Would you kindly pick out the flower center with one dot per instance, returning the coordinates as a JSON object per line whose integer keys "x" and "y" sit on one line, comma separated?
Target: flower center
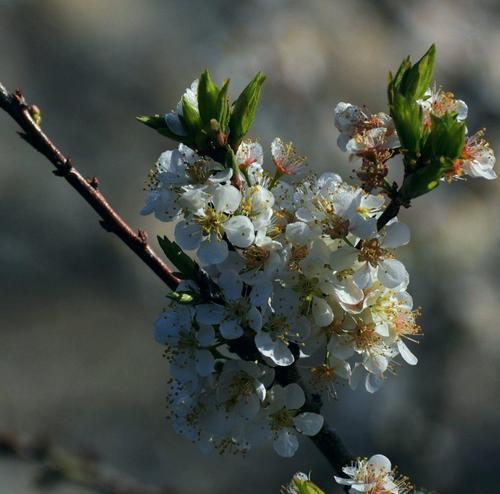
{"x": 239, "y": 308}
{"x": 278, "y": 327}
{"x": 282, "y": 418}
{"x": 365, "y": 336}
{"x": 212, "y": 222}
{"x": 256, "y": 257}
{"x": 198, "y": 172}
{"x": 371, "y": 251}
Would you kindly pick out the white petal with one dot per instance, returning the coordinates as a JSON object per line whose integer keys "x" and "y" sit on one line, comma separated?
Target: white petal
{"x": 343, "y": 258}
{"x": 264, "y": 343}
{"x": 363, "y": 277}
{"x": 322, "y": 312}
{"x": 226, "y": 199}
{"x": 294, "y": 396}
{"x": 240, "y": 231}
{"x": 206, "y": 335}
{"x": 261, "y": 292}
{"x": 406, "y": 353}
{"x": 308, "y": 423}
{"x": 380, "y": 463}
{"x": 363, "y": 228}
{"x": 373, "y": 383}
{"x": 397, "y": 234}
{"x": 187, "y": 235}
{"x": 349, "y": 292}
{"x": 212, "y": 251}
{"x": 231, "y": 285}
{"x": 174, "y": 124}
{"x": 298, "y": 233}
{"x": 210, "y": 313}
{"x": 392, "y": 274}
{"x": 230, "y": 329}
{"x": 281, "y": 354}
{"x": 376, "y": 364}
{"x": 204, "y": 362}
{"x": 248, "y": 406}
{"x": 286, "y": 444}
{"x": 254, "y": 319}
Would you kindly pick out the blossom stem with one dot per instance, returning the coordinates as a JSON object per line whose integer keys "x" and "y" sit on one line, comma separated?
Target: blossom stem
{"x": 16, "y": 106}
{"x": 390, "y": 212}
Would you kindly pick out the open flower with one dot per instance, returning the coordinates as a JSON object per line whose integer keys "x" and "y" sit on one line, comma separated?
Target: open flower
{"x": 282, "y": 325}
{"x": 206, "y": 228}
{"x": 477, "y": 159}
{"x": 241, "y": 388}
{"x": 374, "y": 259}
{"x": 180, "y": 175}
{"x": 237, "y": 313}
{"x": 188, "y": 346}
{"x": 285, "y": 158}
{"x": 438, "y": 102}
{"x": 286, "y": 422}
{"x": 373, "y": 476}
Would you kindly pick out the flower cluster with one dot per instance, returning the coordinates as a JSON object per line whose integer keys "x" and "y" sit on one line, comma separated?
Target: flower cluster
{"x": 300, "y": 267}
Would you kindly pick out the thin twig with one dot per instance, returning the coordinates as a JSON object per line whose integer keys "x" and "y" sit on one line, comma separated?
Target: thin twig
{"x": 15, "y": 105}
{"x": 327, "y": 440}
{"x": 58, "y": 465}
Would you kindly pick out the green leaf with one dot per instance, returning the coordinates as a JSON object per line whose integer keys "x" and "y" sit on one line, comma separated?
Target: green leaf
{"x": 446, "y": 138}
{"x": 243, "y": 111}
{"x": 179, "y": 259}
{"x": 222, "y": 107}
{"x": 407, "y": 115}
{"x": 158, "y": 123}
{"x": 416, "y": 80}
{"x": 424, "y": 179}
{"x": 207, "y": 97}
{"x": 190, "y": 117}
{"x": 183, "y": 297}
{"x": 409, "y": 84}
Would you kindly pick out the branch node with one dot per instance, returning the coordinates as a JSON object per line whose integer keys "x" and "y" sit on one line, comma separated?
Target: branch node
{"x": 18, "y": 95}
{"x": 64, "y": 168}
{"x": 93, "y": 182}
{"x": 143, "y": 236}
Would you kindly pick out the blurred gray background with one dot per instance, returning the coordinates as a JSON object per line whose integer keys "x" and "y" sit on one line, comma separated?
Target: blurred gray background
{"x": 77, "y": 359}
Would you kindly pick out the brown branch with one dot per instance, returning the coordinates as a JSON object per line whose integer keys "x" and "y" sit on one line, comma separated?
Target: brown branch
{"x": 58, "y": 465}
{"x": 16, "y": 106}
